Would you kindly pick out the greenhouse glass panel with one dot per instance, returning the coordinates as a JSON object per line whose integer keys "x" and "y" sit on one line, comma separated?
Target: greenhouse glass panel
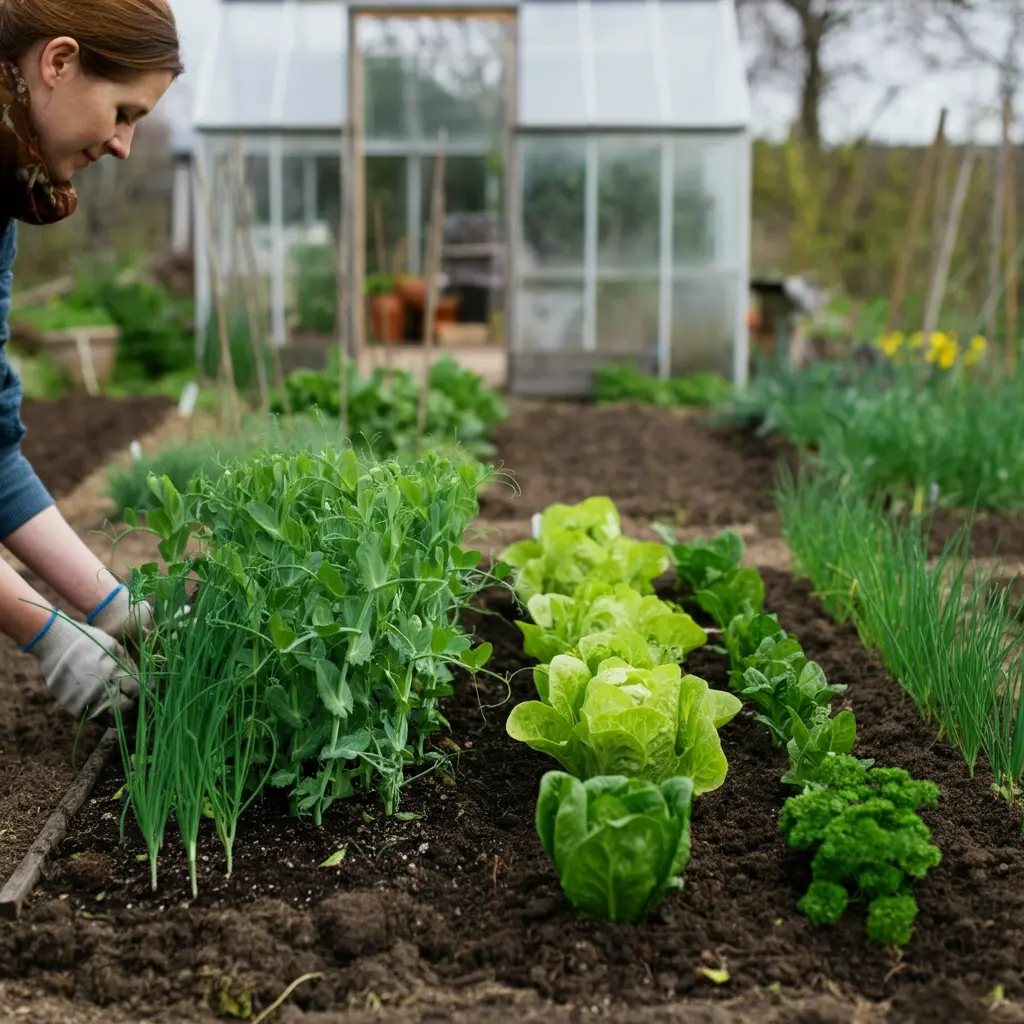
{"x": 551, "y": 88}
{"x": 629, "y": 203}
{"x": 553, "y": 197}
{"x": 242, "y": 71}
{"x": 706, "y": 223}
{"x": 387, "y": 222}
{"x": 551, "y": 316}
{"x": 704, "y": 324}
{"x": 257, "y": 177}
{"x": 316, "y": 87}
{"x": 704, "y": 68}
{"x": 293, "y": 184}
{"x": 617, "y": 26}
{"x": 327, "y": 204}
{"x": 626, "y": 90}
{"x": 554, "y": 25}
{"x": 627, "y": 318}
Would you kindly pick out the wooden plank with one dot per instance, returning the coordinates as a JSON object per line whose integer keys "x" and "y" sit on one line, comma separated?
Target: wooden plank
{"x": 30, "y": 870}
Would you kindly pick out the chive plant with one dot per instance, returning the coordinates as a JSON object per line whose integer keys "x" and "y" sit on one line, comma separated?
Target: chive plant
{"x": 941, "y": 627}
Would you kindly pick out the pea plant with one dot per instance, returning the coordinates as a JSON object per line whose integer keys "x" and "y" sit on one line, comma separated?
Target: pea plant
{"x": 307, "y": 624}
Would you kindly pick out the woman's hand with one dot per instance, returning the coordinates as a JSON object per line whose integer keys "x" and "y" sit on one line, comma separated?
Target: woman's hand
{"x": 82, "y": 667}
{"x": 126, "y": 622}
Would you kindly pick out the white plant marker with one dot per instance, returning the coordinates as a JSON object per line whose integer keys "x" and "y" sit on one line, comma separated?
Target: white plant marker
{"x": 187, "y": 402}
{"x": 135, "y": 450}
{"x": 535, "y": 525}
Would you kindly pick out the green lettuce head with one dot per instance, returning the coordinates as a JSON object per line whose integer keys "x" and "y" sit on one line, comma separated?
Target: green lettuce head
{"x": 618, "y": 844}
{"x": 583, "y": 542}
{"x": 560, "y": 622}
{"x": 652, "y": 723}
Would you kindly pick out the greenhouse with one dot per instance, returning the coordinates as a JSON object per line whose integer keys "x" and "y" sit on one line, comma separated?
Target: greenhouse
{"x": 622, "y": 232}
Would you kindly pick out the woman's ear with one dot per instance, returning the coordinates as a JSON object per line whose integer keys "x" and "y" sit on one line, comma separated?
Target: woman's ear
{"x": 58, "y": 61}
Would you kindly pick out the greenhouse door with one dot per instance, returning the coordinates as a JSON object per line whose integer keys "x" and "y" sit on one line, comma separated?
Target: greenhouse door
{"x": 430, "y": 90}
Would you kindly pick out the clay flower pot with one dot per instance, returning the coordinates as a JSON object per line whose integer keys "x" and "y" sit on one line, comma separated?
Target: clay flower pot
{"x": 387, "y": 317}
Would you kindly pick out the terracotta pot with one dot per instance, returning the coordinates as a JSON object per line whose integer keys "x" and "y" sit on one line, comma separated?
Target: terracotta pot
{"x": 413, "y": 291}
{"x": 387, "y": 317}
{"x": 447, "y": 310}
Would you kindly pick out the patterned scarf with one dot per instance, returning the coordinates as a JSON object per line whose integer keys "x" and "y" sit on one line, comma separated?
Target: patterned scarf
{"x": 26, "y": 192}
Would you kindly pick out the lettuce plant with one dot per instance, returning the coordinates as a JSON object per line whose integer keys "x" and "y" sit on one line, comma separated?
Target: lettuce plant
{"x": 583, "y": 542}
{"x": 650, "y": 723}
{"x": 869, "y": 845}
{"x": 561, "y": 622}
{"x": 619, "y": 844}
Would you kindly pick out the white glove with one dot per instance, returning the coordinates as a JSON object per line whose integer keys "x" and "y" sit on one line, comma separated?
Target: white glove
{"x": 116, "y": 616}
{"x": 79, "y": 666}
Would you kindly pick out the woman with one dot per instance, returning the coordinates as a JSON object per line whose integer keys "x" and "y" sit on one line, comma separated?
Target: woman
{"x": 75, "y": 79}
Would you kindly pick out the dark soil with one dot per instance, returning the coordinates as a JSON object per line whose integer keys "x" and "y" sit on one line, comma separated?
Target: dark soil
{"x": 69, "y": 438}
{"x": 465, "y": 896}
{"x": 653, "y": 462}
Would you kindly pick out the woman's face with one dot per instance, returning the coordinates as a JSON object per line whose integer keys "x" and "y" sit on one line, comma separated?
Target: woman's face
{"x": 78, "y": 118}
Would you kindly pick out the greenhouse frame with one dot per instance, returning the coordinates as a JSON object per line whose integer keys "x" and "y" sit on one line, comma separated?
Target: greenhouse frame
{"x": 622, "y": 232}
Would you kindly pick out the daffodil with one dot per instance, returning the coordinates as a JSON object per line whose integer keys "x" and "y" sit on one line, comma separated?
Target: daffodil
{"x": 892, "y": 343}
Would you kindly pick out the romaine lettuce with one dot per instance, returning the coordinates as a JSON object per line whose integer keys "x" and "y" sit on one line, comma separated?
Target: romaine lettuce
{"x": 651, "y": 723}
{"x": 582, "y": 542}
{"x": 607, "y": 621}
{"x": 619, "y": 845}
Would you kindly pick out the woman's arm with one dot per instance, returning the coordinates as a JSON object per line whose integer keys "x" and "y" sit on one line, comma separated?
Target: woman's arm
{"x": 55, "y": 553}
{"x": 23, "y": 612}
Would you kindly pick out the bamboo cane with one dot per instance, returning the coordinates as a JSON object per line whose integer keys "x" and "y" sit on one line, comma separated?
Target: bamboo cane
{"x": 433, "y": 268}
{"x": 937, "y": 291}
{"x": 229, "y": 393}
{"x": 243, "y": 233}
{"x": 924, "y": 181}
{"x": 1009, "y": 240}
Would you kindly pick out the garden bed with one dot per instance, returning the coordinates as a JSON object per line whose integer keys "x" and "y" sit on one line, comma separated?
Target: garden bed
{"x": 458, "y": 915}
{"x": 69, "y": 438}
{"x": 465, "y": 897}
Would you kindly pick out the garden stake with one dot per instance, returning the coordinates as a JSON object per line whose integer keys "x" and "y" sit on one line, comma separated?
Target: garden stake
{"x": 229, "y": 393}
{"x": 243, "y": 229}
{"x": 924, "y": 181}
{"x": 433, "y": 269}
{"x": 29, "y": 871}
{"x": 937, "y": 291}
{"x": 1009, "y": 237}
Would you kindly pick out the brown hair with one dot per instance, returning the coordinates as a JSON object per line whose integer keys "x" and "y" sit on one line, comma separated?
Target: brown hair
{"x": 118, "y": 39}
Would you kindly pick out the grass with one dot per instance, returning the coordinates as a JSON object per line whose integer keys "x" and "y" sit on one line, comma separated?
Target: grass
{"x": 942, "y": 629}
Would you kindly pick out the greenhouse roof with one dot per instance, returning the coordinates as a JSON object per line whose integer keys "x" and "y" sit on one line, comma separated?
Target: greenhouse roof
{"x": 657, "y": 64}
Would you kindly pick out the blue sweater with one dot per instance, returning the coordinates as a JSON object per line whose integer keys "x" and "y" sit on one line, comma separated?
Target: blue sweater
{"x": 22, "y": 494}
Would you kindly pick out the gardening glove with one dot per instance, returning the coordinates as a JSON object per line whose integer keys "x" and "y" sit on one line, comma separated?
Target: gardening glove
{"x": 80, "y": 666}
{"x": 118, "y": 617}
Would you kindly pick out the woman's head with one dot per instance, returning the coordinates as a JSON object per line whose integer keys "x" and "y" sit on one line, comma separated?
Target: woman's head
{"x": 94, "y": 68}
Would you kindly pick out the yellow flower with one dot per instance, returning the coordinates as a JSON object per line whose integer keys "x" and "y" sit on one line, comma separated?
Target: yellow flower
{"x": 975, "y": 351}
{"x": 947, "y": 357}
{"x": 891, "y": 343}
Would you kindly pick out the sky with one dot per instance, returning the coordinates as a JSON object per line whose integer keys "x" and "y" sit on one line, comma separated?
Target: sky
{"x": 892, "y": 70}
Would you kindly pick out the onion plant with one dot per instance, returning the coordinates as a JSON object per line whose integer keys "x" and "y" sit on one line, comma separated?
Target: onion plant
{"x": 941, "y": 627}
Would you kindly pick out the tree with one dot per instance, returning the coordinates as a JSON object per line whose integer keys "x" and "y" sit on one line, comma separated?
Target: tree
{"x": 800, "y": 43}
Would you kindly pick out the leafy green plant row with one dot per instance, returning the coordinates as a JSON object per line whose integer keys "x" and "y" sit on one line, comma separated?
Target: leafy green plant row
{"x": 943, "y": 627}
{"x": 306, "y": 624}
{"x": 861, "y": 823}
{"x": 462, "y": 413}
{"x": 383, "y": 407}
{"x": 623, "y": 382}
{"x": 637, "y": 738}
{"x": 911, "y": 433}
